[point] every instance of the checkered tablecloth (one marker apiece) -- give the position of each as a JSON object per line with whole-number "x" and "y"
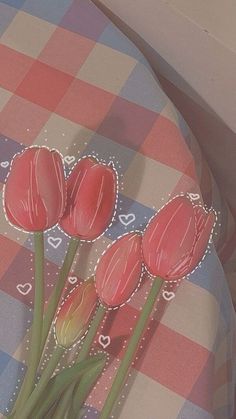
{"x": 70, "y": 80}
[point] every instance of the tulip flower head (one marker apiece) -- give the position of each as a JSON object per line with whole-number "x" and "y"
{"x": 176, "y": 239}
{"x": 75, "y": 314}
{"x": 35, "y": 191}
{"x": 119, "y": 270}
{"x": 91, "y": 199}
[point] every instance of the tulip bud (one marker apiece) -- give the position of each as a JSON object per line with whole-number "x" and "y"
{"x": 119, "y": 270}
{"x": 176, "y": 239}
{"x": 91, "y": 199}
{"x": 75, "y": 314}
{"x": 35, "y": 191}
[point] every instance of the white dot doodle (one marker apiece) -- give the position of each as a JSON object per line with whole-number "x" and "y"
{"x": 24, "y": 289}
{"x": 54, "y": 241}
{"x": 104, "y": 341}
{"x": 4, "y": 164}
{"x": 127, "y": 219}
{"x": 69, "y": 159}
{"x": 168, "y": 295}
{"x": 72, "y": 280}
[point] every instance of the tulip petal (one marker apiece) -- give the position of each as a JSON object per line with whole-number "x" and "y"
{"x": 52, "y": 192}
{"x": 176, "y": 239}
{"x": 204, "y": 225}
{"x": 35, "y": 195}
{"x": 75, "y": 313}
{"x": 204, "y": 233}
{"x": 91, "y": 199}
{"x": 21, "y": 193}
{"x": 119, "y": 270}
{"x": 169, "y": 237}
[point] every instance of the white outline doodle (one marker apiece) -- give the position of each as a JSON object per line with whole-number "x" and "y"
{"x": 168, "y": 295}
{"x": 69, "y": 159}
{"x": 72, "y": 280}
{"x": 24, "y": 289}
{"x": 194, "y": 196}
{"x": 104, "y": 341}
{"x": 127, "y": 219}
{"x": 54, "y": 241}
{"x": 4, "y": 164}
{"x": 191, "y": 196}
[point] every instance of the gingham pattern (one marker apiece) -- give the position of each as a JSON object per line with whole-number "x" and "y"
{"x": 70, "y": 80}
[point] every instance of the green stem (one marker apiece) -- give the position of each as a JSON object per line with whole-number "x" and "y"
{"x": 45, "y": 377}
{"x": 36, "y": 330}
{"x": 84, "y": 387}
{"x": 131, "y": 349}
{"x": 57, "y": 292}
{"x": 92, "y": 331}
{"x": 88, "y": 340}
{"x": 64, "y": 403}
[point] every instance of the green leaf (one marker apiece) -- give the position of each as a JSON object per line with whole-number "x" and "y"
{"x": 61, "y": 381}
{"x": 85, "y": 385}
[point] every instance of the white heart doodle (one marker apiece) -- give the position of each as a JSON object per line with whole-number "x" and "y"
{"x": 127, "y": 219}
{"x": 194, "y": 196}
{"x": 54, "y": 241}
{"x": 24, "y": 289}
{"x": 4, "y": 164}
{"x": 168, "y": 295}
{"x": 104, "y": 341}
{"x": 72, "y": 280}
{"x": 69, "y": 159}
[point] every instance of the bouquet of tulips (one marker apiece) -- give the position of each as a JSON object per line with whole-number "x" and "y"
{"x": 38, "y": 196}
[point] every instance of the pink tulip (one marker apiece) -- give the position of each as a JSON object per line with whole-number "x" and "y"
{"x": 91, "y": 199}
{"x": 176, "y": 239}
{"x": 75, "y": 314}
{"x": 119, "y": 270}
{"x": 35, "y": 191}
